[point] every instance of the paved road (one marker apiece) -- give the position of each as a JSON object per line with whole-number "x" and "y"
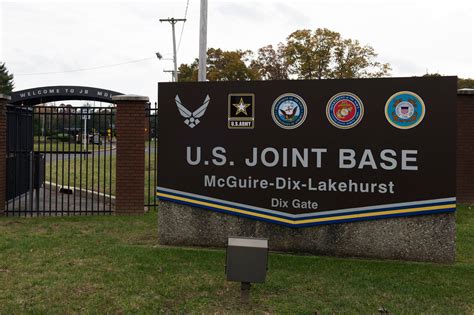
{"x": 66, "y": 155}
{"x": 52, "y": 201}
{"x": 91, "y": 154}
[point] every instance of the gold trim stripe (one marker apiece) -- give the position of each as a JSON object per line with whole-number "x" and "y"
{"x": 313, "y": 220}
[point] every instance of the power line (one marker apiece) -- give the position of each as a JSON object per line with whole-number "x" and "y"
{"x": 182, "y": 28}
{"x": 86, "y": 69}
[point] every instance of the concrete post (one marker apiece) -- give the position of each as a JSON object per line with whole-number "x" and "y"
{"x": 4, "y": 99}
{"x": 130, "y": 154}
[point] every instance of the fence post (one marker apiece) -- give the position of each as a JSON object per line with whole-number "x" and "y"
{"x": 4, "y": 99}
{"x": 130, "y": 154}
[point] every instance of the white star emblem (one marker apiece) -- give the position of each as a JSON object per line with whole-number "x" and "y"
{"x": 241, "y": 107}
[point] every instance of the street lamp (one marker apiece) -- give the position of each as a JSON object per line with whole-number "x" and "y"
{"x": 160, "y": 57}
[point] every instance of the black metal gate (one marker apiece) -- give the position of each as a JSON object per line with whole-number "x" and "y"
{"x": 151, "y": 156}
{"x": 19, "y": 148}
{"x": 60, "y": 160}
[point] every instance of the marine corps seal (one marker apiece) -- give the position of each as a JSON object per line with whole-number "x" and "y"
{"x": 344, "y": 110}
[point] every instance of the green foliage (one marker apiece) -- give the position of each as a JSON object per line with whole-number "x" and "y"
{"x": 6, "y": 80}
{"x": 310, "y": 54}
{"x": 462, "y": 83}
{"x": 188, "y": 73}
{"x": 60, "y": 137}
{"x": 230, "y": 65}
{"x": 271, "y": 64}
{"x": 324, "y": 54}
{"x": 432, "y": 74}
{"x": 222, "y": 66}
{"x": 351, "y": 60}
{"x": 465, "y": 83}
{"x": 319, "y": 54}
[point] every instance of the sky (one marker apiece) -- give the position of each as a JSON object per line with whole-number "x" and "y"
{"x": 45, "y": 42}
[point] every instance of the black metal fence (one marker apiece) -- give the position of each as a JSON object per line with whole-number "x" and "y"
{"x": 151, "y": 156}
{"x": 61, "y": 160}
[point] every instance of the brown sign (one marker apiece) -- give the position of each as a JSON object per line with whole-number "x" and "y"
{"x": 303, "y": 153}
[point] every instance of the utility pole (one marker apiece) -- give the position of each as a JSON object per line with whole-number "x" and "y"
{"x": 203, "y": 42}
{"x": 173, "y": 21}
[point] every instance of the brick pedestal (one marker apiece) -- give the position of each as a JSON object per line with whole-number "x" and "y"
{"x": 4, "y": 99}
{"x": 130, "y": 167}
{"x": 465, "y": 147}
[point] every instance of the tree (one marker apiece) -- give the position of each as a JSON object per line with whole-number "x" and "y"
{"x": 432, "y": 74}
{"x": 188, "y": 73}
{"x": 462, "y": 83}
{"x": 351, "y": 60}
{"x": 271, "y": 64}
{"x": 465, "y": 83}
{"x": 230, "y": 65}
{"x": 324, "y": 54}
{"x": 6, "y": 80}
{"x": 222, "y": 66}
{"x": 319, "y": 54}
{"x": 309, "y": 54}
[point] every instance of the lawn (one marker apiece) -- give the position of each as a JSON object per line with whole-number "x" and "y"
{"x": 114, "y": 265}
{"x": 92, "y": 175}
{"x": 94, "y": 172}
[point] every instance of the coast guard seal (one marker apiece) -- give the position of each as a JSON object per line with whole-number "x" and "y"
{"x": 344, "y": 110}
{"x": 405, "y": 110}
{"x": 289, "y": 111}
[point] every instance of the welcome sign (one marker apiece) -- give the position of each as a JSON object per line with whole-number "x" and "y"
{"x": 302, "y": 153}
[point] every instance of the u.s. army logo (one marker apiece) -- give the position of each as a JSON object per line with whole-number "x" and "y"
{"x": 192, "y": 119}
{"x": 241, "y": 111}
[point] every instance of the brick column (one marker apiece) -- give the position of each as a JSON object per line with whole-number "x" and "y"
{"x": 130, "y": 167}
{"x": 465, "y": 146}
{"x": 4, "y": 99}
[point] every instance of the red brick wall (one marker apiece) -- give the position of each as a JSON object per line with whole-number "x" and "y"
{"x": 3, "y": 154}
{"x": 130, "y": 172}
{"x": 465, "y": 148}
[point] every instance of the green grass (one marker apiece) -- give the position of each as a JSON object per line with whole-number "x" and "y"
{"x": 89, "y": 174}
{"x": 115, "y": 265}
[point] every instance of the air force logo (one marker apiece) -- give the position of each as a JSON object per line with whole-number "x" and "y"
{"x": 192, "y": 118}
